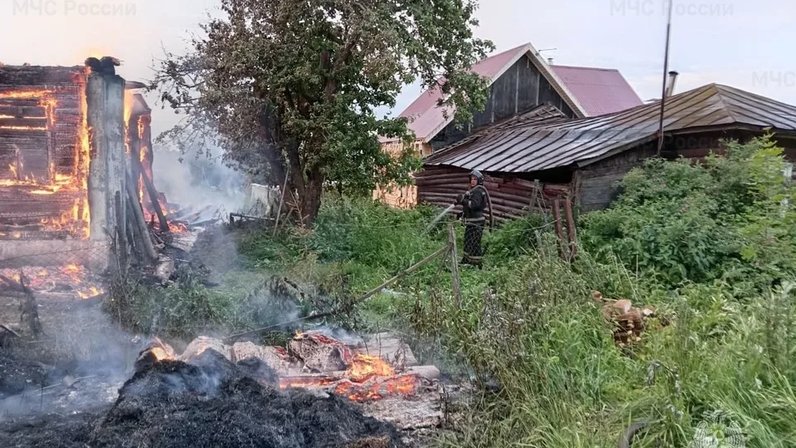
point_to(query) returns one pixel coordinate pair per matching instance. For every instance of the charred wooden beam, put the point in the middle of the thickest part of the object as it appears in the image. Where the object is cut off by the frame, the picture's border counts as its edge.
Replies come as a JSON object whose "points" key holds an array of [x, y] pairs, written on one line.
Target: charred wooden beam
{"points": [[19, 111], [140, 226], [15, 75], [153, 197], [23, 122], [107, 167]]}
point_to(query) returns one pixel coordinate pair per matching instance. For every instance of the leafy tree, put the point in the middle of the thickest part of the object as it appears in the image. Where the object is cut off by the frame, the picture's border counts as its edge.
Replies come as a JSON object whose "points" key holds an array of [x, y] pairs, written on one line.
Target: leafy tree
{"points": [[291, 87]]}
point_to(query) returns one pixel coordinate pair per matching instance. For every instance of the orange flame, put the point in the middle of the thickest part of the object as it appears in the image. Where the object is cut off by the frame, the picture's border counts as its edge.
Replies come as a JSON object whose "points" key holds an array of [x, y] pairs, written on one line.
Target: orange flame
{"points": [[367, 366], [58, 279], [378, 388], [305, 382], [76, 219]]}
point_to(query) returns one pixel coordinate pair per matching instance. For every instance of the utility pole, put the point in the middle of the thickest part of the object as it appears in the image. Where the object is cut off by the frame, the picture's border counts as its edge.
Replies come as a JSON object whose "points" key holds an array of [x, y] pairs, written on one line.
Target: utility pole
{"points": [[665, 71]]}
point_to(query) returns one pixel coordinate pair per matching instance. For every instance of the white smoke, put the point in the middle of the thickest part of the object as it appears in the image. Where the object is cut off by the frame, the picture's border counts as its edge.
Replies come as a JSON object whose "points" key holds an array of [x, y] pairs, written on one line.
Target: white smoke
{"points": [[199, 181]]}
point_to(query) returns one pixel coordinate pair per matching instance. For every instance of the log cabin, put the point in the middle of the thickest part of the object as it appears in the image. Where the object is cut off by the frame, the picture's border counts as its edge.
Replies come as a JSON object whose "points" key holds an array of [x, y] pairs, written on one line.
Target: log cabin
{"points": [[542, 156], [520, 80]]}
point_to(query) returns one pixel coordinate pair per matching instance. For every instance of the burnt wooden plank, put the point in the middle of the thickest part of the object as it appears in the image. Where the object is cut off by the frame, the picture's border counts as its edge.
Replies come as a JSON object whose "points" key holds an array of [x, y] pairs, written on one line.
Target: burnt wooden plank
{"points": [[22, 111], [23, 122], [20, 102], [40, 75], [22, 134]]}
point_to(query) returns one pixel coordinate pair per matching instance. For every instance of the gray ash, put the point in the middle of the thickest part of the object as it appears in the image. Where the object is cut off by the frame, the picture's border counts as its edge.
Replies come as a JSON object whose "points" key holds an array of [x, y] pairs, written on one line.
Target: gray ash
{"points": [[208, 403]]}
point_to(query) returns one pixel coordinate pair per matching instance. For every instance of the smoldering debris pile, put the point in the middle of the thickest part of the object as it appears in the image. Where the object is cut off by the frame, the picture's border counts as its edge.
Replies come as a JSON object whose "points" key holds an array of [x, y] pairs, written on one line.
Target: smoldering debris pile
{"points": [[209, 402]]}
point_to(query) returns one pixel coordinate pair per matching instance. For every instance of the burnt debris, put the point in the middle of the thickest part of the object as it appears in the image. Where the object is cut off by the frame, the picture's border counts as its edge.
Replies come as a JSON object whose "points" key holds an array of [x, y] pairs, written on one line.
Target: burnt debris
{"points": [[104, 66], [211, 402]]}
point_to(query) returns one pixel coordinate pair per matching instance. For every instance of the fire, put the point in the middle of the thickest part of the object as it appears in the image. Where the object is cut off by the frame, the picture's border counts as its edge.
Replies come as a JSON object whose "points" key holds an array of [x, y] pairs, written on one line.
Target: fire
{"points": [[75, 220], [128, 108], [63, 279], [24, 128], [26, 94], [160, 353], [82, 162], [366, 366], [91, 291], [378, 388], [305, 382]]}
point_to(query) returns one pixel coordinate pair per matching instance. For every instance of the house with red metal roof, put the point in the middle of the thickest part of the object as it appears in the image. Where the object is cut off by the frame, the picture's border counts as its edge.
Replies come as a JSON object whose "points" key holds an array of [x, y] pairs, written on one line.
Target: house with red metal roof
{"points": [[545, 160], [520, 81], [599, 91]]}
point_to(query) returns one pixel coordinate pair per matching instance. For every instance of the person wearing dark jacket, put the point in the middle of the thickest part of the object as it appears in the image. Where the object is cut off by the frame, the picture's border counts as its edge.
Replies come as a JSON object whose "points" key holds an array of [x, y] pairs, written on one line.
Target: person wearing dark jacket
{"points": [[473, 203]]}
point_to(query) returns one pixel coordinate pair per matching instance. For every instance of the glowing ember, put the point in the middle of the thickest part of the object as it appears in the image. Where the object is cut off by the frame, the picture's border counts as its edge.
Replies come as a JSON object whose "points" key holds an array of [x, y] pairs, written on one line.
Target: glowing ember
{"points": [[24, 94], [305, 382], [23, 128], [74, 185], [160, 353], [69, 278], [378, 388]]}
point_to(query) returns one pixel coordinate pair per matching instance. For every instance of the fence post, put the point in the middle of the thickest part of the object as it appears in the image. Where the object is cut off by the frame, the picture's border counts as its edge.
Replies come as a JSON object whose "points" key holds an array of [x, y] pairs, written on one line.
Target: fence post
{"points": [[559, 227], [281, 199], [572, 232], [457, 291]]}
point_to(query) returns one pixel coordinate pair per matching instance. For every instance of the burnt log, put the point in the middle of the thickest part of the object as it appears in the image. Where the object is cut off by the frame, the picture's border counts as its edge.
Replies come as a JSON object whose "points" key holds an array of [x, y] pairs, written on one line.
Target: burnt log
{"points": [[153, 198], [24, 122], [155, 352], [270, 356], [203, 343], [10, 109], [140, 226], [320, 353], [37, 75]]}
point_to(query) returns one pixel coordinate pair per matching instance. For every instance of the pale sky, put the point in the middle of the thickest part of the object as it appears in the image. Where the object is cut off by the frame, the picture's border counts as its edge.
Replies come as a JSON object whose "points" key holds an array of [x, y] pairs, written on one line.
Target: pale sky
{"points": [[749, 44]]}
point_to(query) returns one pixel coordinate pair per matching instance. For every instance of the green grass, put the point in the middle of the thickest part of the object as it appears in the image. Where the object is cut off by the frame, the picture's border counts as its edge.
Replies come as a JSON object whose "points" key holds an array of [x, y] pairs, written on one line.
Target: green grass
{"points": [[527, 323], [723, 342]]}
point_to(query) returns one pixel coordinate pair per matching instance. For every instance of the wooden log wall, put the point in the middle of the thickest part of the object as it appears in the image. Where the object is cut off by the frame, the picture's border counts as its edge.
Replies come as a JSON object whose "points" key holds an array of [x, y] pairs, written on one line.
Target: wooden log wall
{"points": [[40, 118], [512, 197], [598, 184]]}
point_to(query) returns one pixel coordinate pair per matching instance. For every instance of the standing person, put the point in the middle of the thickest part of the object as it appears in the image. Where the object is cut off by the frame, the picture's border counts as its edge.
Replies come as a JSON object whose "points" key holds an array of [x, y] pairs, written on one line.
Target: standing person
{"points": [[473, 203]]}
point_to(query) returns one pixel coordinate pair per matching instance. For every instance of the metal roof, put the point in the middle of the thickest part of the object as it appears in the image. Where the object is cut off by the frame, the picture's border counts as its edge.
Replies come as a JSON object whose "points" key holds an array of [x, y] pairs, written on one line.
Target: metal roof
{"points": [[426, 118], [599, 90], [552, 142]]}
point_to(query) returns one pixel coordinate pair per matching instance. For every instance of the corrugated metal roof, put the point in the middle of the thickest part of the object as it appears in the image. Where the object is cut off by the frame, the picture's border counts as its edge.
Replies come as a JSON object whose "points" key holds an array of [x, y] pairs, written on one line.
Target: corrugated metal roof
{"points": [[426, 119], [599, 90], [551, 142]]}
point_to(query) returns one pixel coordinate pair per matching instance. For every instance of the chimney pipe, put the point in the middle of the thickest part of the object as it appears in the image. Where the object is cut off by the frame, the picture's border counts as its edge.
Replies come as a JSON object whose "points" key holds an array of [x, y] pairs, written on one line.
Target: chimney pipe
{"points": [[670, 85], [550, 61]]}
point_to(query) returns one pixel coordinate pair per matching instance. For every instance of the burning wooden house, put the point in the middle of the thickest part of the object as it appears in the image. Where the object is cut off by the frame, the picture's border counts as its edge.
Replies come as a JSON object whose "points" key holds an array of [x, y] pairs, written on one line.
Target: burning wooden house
{"points": [[75, 157]]}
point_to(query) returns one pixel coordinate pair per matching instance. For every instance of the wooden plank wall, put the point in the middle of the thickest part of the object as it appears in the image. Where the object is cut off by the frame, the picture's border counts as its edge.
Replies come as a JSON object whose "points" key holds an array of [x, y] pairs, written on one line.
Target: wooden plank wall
{"points": [[517, 91], [393, 195], [597, 185]]}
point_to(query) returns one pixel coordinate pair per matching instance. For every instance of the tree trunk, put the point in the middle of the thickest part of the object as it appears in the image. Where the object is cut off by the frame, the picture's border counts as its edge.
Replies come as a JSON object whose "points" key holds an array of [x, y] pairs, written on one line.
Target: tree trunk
{"points": [[308, 184], [311, 202]]}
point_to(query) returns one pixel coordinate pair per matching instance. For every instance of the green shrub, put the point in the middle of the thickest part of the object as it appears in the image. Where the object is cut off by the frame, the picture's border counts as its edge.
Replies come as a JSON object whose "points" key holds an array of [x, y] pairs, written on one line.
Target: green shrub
{"points": [[723, 219], [514, 238]]}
